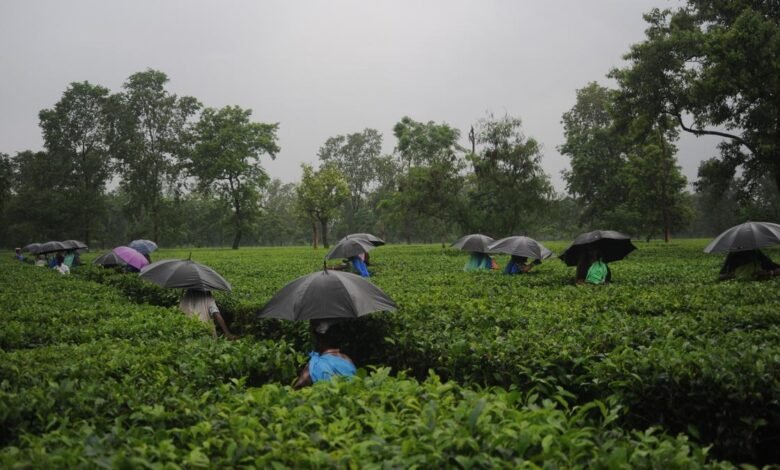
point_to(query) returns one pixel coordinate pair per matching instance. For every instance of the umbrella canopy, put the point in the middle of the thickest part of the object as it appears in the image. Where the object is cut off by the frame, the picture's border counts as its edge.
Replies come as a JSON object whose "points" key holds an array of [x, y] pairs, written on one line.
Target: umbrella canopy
{"points": [[143, 246], [109, 259], [474, 242], [74, 245], [327, 294], [131, 256], [184, 274], [32, 247], [51, 247], [744, 237], [521, 246], [373, 239], [612, 246], [349, 247]]}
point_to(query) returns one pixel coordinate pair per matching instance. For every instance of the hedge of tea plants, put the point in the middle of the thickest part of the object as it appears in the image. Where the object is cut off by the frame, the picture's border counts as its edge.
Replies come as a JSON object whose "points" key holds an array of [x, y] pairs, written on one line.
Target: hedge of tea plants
{"points": [[475, 369]]}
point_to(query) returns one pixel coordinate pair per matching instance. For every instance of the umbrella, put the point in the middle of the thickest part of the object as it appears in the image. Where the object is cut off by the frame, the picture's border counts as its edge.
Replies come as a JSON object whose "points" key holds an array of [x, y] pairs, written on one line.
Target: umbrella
{"points": [[327, 294], [143, 246], [612, 246], [184, 274], [373, 239], [744, 237], [109, 259], [474, 242], [349, 248], [521, 246], [51, 247], [74, 245], [131, 256], [32, 248]]}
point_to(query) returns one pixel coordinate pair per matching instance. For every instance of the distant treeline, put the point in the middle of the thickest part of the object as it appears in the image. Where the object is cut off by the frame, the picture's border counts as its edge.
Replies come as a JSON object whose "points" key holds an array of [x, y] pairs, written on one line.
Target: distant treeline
{"points": [[145, 163]]}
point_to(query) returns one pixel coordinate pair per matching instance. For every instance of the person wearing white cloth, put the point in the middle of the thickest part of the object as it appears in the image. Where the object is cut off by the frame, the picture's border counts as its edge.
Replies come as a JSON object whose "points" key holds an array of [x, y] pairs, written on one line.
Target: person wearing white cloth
{"points": [[201, 305]]}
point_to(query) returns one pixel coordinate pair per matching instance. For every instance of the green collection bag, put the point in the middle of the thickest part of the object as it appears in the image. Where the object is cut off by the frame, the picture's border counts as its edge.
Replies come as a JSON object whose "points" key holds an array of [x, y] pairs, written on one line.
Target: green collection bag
{"points": [[597, 274]]}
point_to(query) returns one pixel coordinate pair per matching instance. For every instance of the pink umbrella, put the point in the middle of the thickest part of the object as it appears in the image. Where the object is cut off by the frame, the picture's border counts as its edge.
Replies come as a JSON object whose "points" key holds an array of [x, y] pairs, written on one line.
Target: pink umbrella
{"points": [[131, 257]]}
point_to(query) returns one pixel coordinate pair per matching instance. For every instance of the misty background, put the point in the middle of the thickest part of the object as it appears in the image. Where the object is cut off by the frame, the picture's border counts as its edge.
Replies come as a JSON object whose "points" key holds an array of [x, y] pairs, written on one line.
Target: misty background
{"points": [[322, 69]]}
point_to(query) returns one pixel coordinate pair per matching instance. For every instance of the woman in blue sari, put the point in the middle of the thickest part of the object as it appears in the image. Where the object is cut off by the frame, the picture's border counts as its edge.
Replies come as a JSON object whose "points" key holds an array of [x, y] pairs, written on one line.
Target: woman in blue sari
{"points": [[327, 361]]}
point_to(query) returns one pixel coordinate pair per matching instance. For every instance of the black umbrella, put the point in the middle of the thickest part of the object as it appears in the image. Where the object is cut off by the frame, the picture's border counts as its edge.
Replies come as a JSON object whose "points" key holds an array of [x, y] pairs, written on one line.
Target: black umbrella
{"points": [[51, 247], [143, 246], [744, 237], [32, 248], [349, 248], [474, 242], [373, 239], [521, 246], [184, 274], [611, 245], [327, 294], [74, 245], [109, 259]]}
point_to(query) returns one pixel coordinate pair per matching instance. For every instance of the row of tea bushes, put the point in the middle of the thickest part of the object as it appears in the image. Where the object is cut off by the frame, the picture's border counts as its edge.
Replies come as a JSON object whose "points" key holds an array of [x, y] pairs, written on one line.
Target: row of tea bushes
{"points": [[146, 387], [677, 348]]}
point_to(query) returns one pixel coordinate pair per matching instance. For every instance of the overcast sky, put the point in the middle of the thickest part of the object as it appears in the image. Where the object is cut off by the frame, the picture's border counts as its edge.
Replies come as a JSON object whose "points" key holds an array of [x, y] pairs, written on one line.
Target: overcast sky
{"points": [[324, 68]]}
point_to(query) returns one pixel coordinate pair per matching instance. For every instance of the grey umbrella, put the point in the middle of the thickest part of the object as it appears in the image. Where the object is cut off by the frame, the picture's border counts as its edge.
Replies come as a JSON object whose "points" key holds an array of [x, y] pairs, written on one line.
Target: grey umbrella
{"points": [[373, 239], [51, 247], [612, 246], [109, 259], [521, 246], [474, 242], [32, 248], [744, 237], [144, 247], [349, 248], [184, 274], [74, 245], [327, 294]]}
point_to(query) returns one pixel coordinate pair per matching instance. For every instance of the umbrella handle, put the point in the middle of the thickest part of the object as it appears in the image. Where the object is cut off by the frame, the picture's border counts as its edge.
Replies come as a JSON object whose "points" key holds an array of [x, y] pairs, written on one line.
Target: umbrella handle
{"points": [[325, 265]]}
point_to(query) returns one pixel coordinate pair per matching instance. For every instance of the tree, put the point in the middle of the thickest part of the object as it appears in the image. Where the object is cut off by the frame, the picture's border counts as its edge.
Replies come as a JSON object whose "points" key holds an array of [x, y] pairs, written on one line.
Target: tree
{"points": [[278, 224], [598, 156], [713, 66], [656, 187], [153, 137], [430, 187], [510, 185], [355, 156], [319, 196], [226, 160], [40, 208], [77, 130]]}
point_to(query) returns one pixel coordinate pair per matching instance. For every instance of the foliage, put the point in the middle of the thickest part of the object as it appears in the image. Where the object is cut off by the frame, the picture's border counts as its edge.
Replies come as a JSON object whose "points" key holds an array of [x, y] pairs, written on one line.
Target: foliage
{"points": [[319, 196], [356, 156], [510, 188], [91, 378], [715, 62], [225, 160], [153, 134], [78, 131]]}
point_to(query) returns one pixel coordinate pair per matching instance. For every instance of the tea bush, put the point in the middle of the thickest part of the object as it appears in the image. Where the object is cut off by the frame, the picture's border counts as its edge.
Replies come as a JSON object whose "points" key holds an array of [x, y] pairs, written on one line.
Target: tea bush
{"points": [[99, 369]]}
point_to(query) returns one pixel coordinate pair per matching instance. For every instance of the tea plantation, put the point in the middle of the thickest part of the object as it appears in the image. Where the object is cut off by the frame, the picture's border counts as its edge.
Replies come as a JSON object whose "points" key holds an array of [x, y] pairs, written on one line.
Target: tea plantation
{"points": [[664, 368]]}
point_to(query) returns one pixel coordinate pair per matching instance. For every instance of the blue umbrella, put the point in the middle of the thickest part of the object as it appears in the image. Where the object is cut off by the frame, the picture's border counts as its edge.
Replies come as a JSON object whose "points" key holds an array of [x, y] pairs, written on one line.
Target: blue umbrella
{"points": [[143, 246]]}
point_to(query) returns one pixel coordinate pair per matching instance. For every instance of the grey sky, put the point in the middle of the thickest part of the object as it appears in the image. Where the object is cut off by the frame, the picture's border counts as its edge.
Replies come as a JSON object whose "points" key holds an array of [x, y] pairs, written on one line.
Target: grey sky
{"points": [[323, 68]]}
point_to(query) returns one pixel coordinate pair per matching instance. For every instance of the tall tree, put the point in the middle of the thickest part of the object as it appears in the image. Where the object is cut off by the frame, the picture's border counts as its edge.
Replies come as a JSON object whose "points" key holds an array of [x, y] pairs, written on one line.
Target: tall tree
{"points": [[77, 130], [278, 224], [510, 185], [712, 66], [226, 157], [154, 135], [319, 196], [598, 155], [431, 185], [656, 187], [355, 156], [6, 194]]}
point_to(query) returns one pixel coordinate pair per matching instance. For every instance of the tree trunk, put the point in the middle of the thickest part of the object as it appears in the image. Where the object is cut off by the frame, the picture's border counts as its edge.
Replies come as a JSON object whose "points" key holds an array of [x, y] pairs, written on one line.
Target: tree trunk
{"points": [[237, 237], [314, 235], [324, 226]]}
